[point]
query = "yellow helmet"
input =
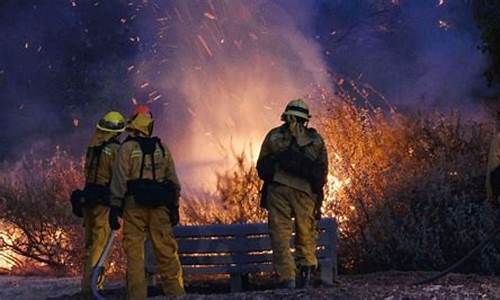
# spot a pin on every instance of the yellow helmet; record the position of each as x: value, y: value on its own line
x: 112, y: 122
x: 142, y: 123
x: 297, y: 108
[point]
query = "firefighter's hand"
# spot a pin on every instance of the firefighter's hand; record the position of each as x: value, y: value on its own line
x: 115, y: 214
x: 174, y: 217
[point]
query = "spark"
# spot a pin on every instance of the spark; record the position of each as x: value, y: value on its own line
x: 444, y: 24
x: 202, y: 41
x: 210, y: 16
x: 191, y: 111
x: 440, y: 2
x: 76, y: 122
x: 144, y: 85
x: 134, y: 101
x: 130, y: 68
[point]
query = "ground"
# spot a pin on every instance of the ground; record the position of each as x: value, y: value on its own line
x: 387, y: 286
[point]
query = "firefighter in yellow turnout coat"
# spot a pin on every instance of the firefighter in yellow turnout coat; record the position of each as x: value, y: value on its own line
x: 293, y: 164
x: 146, y: 189
x: 98, y: 173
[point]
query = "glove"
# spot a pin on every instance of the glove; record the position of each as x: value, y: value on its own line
x: 265, y: 168
x: 174, y: 216
x: 319, y: 203
x: 114, y: 214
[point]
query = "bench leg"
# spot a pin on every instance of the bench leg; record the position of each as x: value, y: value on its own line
x: 236, y: 283
x: 327, y: 273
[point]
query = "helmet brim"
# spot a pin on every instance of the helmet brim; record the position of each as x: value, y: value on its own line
x: 297, y: 114
x: 98, y: 126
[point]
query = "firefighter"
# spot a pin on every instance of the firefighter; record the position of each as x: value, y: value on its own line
x: 493, y: 175
x: 145, y: 192
x: 96, y: 195
x: 293, y: 164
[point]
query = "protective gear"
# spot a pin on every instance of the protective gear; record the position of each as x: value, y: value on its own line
x: 142, y: 109
x: 276, y: 156
x: 77, y: 200
x: 114, y: 214
x: 297, y: 108
x: 99, y: 158
x: 150, y: 192
x: 289, y: 284
x: 294, y: 174
x: 304, y: 278
x: 141, y: 125
x: 284, y: 203
x: 137, y: 219
x: 98, y: 173
x: 140, y: 219
x: 112, y: 122
x: 493, y: 164
x: 95, y: 220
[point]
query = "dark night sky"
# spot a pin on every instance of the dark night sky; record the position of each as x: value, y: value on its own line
x: 62, y: 61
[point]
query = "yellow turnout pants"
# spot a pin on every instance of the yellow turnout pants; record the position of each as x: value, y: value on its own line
x: 285, y: 203
x: 95, y: 221
x: 137, y: 221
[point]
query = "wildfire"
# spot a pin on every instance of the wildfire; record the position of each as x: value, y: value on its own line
x: 8, y: 258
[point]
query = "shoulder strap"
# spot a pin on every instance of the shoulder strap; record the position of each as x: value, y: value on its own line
x: 96, y: 155
x: 148, y: 147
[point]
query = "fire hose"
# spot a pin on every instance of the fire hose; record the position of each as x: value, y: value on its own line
x: 99, y: 267
x: 460, y: 263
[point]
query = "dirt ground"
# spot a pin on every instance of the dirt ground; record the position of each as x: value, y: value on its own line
x: 387, y: 286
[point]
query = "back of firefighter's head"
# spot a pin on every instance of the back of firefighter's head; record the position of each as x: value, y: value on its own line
x: 296, y: 110
x: 142, y: 109
x: 141, y: 125
x: 112, y: 122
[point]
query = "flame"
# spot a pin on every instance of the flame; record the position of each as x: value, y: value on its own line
x: 233, y: 68
x: 8, y: 258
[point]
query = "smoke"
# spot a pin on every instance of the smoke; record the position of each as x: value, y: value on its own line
x: 217, y: 73
x: 231, y: 67
x: 419, y: 54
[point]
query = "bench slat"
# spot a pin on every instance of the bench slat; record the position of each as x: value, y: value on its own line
x: 243, y: 269
x: 239, y: 259
x: 234, y: 245
x: 233, y: 229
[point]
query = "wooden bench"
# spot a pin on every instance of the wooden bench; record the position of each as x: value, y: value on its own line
x: 241, y: 249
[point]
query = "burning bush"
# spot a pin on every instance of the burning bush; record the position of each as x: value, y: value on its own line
x: 235, y: 200
x: 413, y: 192
x: 407, y: 191
x: 38, y: 229
x: 39, y: 233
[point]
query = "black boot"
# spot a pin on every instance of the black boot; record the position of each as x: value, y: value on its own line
x: 287, y: 284
x: 304, y: 277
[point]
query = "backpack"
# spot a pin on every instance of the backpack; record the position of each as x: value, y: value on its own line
x: 151, y: 192
x: 92, y: 194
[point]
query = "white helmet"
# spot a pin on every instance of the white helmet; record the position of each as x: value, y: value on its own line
x: 297, y: 108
